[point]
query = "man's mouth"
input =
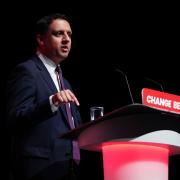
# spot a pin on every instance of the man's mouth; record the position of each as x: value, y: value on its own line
x: 64, y: 48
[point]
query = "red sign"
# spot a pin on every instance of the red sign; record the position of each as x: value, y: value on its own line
x: 161, y: 100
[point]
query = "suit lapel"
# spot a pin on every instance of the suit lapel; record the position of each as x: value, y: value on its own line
x: 45, y: 74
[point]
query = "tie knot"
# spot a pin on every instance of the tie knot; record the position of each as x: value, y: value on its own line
x: 58, y: 69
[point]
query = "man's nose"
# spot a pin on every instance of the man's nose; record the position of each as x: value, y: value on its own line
x: 66, y: 37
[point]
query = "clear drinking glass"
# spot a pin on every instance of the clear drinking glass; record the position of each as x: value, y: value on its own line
x: 96, y: 112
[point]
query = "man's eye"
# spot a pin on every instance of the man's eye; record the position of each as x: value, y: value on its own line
x: 58, y: 33
x: 62, y: 33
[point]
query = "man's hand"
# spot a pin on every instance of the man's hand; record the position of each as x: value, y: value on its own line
x: 64, y: 96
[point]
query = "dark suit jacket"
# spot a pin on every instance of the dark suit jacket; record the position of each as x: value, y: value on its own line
x: 35, y: 129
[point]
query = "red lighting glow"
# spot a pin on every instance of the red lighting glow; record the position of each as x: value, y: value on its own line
x: 131, y: 161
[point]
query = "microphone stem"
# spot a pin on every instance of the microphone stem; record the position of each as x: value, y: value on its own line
x: 129, y: 90
x: 127, y: 82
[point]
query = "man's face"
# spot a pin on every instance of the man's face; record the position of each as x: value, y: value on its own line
x: 57, y: 41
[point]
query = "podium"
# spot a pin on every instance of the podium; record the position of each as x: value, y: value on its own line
x: 135, y: 140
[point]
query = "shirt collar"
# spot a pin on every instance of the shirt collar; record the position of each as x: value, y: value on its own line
x: 50, y: 65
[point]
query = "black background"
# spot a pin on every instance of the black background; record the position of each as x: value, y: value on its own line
x: 142, y: 40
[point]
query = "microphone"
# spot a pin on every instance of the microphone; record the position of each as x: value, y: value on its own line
x: 127, y: 82
x: 156, y: 82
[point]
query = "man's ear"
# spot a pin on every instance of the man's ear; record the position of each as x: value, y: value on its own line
x: 40, y: 39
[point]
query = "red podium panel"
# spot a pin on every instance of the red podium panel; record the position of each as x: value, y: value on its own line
x: 135, y: 140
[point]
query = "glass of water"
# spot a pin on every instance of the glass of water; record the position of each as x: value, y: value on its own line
x: 96, y: 112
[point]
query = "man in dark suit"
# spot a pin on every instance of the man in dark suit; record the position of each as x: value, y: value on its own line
x: 36, y: 107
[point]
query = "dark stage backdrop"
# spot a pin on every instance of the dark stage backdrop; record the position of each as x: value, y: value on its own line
x: 140, y: 40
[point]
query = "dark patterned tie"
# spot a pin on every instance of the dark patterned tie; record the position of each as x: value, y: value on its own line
x: 76, y: 152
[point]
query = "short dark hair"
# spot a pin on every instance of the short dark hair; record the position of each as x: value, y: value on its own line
x: 42, y: 24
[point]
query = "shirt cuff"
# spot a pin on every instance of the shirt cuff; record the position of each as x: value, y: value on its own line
x: 54, y: 108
